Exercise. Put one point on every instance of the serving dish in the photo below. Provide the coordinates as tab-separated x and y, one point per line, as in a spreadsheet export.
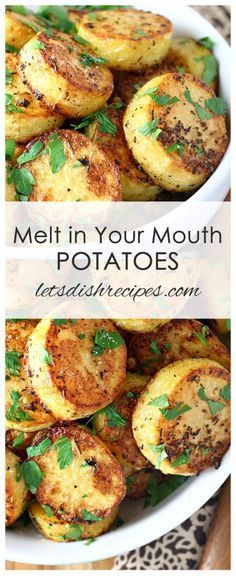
144	525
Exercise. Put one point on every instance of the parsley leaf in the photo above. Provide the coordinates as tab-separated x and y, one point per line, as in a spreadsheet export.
57	157
39	449
160	99
37	45
31	153
48	510
177	147
226	392
207	42
23	182
118	523
106	126
151	129
199	151
180	69
210	68
10	48
90	517
10	146
213	405
58	17
141	33
161	453
14	412
10	106
12	363
113	417
8	76
203	335
64	452
159	492
176	411
19	10
160	401
45	357
32	475
201	112
81	40
18	440
217	105
181	459
105	340
75	532
89	60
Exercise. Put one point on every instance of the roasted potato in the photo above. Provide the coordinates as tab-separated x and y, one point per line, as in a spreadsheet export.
129	39
194	58
138	325
181	422
23	410
71	374
20	28
18	441
220	326
17	494
176	340
116	430
91	470
50	527
66	75
129	83
81	172
135	184
25	115
172	135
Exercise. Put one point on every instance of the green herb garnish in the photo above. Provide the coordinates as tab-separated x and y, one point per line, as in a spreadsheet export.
23	182
45	357
113	417
226	392
39	449
210	68
57	157
37	45
175	412
64	452
207	42
151	129
10	106
217	105
160	401
10	48
81	40
14	412
89	60
10	146
105	340
18	440
201	112
177	147
203	335
182	459
48	510
32	475
8	76
213	405
31	153
105	125
160	99
161	453
12	363
75	532
158	492
90	517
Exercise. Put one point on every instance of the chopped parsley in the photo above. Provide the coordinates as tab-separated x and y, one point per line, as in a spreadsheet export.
207	42
75	532
217	105
31	153
105	340
113	417
151	129
182	459
48	510
45	357
90	517
89	60
200	111
160	99
81	40
210	68
32	475
10	146
176	411
199	151
10	48
141	33
15	413
10	106
160	401
214	406
203	335
105	125
161	453
159	492
64	452
57	157
37	45
8	76
226	392
12	362
18	440
23	182
177	147
39	449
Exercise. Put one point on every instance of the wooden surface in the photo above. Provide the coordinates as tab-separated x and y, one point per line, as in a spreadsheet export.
102	565
216	554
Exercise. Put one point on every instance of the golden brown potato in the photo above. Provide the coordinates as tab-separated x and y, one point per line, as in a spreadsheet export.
23	410
85	466
25	115
71	374
17	494
220	326
20	28
129	83
50	527
115	427
68	76
173	132
82	173
194	58
135	184
18	441
139	325
176	340
181	422
129	39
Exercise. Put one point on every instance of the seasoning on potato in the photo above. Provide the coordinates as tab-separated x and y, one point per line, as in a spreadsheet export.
72	462
67	76
65	166
76	367
26	117
195	58
181	422
129	39
175	127
20	26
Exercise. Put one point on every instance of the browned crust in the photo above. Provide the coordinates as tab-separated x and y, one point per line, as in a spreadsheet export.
179	333
147	20
126	81
102	475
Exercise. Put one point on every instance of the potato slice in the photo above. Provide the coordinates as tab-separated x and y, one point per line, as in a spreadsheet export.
190	431
20	28
91	470
188	54
117	431
68	372
27	415
85	172
50	527
68	76
17	494
172	135
26	117
22	439
129	83
129	39
139	325
220	326
135	184
176	340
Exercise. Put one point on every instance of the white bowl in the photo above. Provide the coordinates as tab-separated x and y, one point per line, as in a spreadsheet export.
143	526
